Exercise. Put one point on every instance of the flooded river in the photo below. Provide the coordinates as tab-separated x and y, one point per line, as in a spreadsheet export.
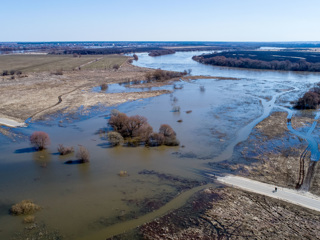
84	201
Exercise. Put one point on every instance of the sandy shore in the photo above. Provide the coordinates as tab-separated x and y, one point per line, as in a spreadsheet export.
11	123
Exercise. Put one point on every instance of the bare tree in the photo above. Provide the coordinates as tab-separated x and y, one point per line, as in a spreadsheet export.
83	154
39	140
115	138
65	150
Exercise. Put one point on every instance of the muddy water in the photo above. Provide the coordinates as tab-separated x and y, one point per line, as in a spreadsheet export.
83	200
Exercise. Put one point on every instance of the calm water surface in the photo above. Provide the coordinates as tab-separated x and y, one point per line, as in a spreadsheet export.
77	200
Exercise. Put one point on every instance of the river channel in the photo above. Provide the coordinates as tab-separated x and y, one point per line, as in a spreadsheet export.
84	201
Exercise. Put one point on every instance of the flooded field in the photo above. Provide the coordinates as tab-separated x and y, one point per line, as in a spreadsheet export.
84	201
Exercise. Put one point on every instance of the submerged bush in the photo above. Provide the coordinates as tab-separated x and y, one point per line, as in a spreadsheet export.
83	154
169	135
115	138
126	126
171	141
155	139
161	75
40	140
310	99
65	150
167	130
116	67
104	86
25	207
143	132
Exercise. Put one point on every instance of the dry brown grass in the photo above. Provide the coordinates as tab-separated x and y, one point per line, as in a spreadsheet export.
47	63
25	207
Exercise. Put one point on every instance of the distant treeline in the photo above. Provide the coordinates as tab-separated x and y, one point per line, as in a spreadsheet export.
102	51
156	53
273	60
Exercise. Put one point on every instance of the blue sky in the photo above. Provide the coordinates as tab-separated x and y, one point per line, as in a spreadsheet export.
166	20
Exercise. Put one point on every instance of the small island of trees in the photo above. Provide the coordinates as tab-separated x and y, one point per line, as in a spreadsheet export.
135	131
310	99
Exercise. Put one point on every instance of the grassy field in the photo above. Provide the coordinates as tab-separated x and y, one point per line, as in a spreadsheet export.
42	63
106	62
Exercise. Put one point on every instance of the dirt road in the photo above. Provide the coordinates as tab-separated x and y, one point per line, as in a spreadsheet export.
304	199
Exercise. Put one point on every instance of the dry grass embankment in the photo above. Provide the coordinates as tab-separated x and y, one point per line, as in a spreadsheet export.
41	92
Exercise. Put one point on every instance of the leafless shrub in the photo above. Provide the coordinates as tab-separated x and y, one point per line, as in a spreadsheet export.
118	121
25	207
169	135
161	75
167	131
83	154
202	88
39	140
116	67
12	72
143	132
148	76
189	111
130	61
180	121
18	72
136	130
5	73
115	138
171	141
135	57
57	72
133	142
155	139
104	86
126	126
65	150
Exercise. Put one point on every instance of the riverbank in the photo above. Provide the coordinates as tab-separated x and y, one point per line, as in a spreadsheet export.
229	213
273	154
39	94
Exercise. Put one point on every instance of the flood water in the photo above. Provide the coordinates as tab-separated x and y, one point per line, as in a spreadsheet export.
83	201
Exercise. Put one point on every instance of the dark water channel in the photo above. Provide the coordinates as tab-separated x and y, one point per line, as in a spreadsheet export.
83	200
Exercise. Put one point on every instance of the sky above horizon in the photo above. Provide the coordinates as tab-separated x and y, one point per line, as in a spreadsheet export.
174	20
